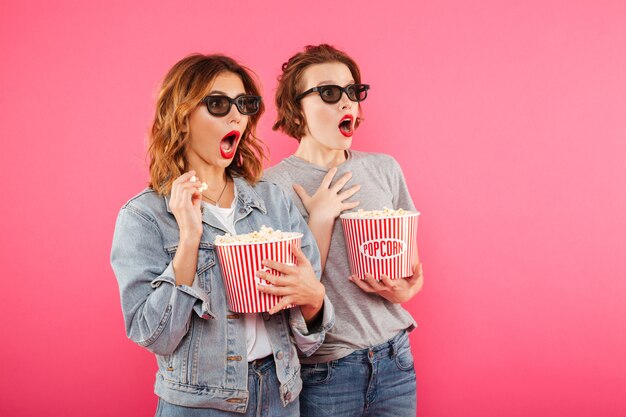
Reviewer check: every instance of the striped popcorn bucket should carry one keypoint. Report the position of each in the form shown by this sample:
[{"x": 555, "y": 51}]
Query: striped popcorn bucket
[
  {"x": 381, "y": 245},
  {"x": 240, "y": 262}
]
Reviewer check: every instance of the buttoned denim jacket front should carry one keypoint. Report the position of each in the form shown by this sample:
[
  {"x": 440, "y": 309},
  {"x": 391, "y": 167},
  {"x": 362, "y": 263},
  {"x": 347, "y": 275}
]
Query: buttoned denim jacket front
[{"x": 199, "y": 343}]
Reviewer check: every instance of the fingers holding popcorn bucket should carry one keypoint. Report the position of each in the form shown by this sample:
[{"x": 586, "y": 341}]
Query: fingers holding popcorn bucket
[
  {"x": 240, "y": 259},
  {"x": 381, "y": 242}
]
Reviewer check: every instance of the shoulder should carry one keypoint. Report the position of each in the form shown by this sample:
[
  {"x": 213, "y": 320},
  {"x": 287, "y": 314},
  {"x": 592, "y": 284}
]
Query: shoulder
[
  {"x": 374, "y": 159},
  {"x": 266, "y": 186},
  {"x": 143, "y": 216},
  {"x": 145, "y": 204},
  {"x": 279, "y": 174},
  {"x": 265, "y": 190},
  {"x": 280, "y": 169},
  {"x": 273, "y": 196}
]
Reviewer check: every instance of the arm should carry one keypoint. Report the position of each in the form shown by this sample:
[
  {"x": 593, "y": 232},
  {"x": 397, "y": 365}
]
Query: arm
[
  {"x": 401, "y": 196},
  {"x": 157, "y": 303},
  {"x": 185, "y": 203},
  {"x": 156, "y": 311},
  {"x": 398, "y": 290}
]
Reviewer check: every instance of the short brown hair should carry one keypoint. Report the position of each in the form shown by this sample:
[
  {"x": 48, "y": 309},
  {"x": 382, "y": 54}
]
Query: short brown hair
[
  {"x": 289, "y": 116},
  {"x": 181, "y": 91}
]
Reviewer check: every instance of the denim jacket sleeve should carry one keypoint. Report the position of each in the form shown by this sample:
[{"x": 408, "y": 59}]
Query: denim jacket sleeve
[
  {"x": 308, "y": 340},
  {"x": 156, "y": 312}
]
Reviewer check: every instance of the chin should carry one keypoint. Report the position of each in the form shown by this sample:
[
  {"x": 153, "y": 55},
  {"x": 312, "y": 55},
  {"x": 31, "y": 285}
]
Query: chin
[{"x": 343, "y": 144}]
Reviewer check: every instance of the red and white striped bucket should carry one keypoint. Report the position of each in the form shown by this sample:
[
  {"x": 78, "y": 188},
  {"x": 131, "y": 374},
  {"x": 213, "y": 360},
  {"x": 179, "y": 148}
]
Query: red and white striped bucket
[
  {"x": 240, "y": 262},
  {"x": 381, "y": 245}
]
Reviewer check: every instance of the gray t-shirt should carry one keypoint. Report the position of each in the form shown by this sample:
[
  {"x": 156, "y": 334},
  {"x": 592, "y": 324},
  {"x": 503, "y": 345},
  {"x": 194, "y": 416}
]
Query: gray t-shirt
[{"x": 362, "y": 320}]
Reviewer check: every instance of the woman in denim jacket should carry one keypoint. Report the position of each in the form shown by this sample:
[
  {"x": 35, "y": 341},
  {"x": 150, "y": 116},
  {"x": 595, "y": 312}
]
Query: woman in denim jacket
[{"x": 213, "y": 362}]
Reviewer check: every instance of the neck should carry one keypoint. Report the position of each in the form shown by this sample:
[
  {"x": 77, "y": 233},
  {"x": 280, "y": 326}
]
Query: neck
[
  {"x": 319, "y": 155},
  {"x": 220, "y": 190},
  {"x": 213, "y": 176}
]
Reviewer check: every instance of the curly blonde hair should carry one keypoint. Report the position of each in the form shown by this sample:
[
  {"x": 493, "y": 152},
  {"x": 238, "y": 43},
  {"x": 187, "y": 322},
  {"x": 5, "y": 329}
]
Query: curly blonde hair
[{"x": 182, "y": 90}]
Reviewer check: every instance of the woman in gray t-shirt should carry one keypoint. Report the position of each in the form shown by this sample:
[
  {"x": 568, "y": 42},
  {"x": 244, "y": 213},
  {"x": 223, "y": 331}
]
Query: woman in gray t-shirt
[{"x": 365, "y": 364}]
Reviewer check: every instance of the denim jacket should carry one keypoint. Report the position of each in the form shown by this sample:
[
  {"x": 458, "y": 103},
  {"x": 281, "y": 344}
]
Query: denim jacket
[{"x": 199, "y": 343}]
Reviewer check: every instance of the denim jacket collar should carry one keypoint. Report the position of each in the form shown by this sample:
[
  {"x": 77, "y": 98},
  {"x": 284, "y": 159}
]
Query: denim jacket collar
[{"x": 247, "y": 197}]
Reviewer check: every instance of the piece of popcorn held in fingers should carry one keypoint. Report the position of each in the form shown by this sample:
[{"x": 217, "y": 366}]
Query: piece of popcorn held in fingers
[{"x": 203, "y": 187}]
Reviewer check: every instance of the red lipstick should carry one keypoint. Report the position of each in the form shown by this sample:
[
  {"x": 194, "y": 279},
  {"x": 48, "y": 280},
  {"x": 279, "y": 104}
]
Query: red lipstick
[
  {"x": 346, "y": 126},
  {"x": 228, "y": 144}
]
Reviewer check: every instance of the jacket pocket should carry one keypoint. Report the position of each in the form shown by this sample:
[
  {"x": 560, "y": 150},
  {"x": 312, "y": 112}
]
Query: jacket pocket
[
  {"x": 175, "y": 367},
  {"x": 206, "y": 262}
]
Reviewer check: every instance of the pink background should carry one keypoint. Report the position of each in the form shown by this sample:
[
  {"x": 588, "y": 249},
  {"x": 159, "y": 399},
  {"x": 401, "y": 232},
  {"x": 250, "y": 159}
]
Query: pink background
[{"x": 508, "y": 119}]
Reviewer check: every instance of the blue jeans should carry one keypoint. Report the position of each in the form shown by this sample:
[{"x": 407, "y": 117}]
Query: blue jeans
[
  {"x": 375, "y": 382},
  {"x": 264, "y": 398}
]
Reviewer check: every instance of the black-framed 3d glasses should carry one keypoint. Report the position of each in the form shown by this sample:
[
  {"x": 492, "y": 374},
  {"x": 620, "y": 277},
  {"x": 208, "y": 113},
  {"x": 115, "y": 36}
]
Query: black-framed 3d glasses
[
  {"x": 332, "y": 93},
  {"x": 219, "y": 105}
]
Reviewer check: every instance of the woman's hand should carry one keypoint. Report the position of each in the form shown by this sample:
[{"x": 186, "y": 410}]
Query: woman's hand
[
  {"x": 185, "y": 203},
  {"x": 396, "y": 290},
  {"x": 325, "y": 206},
  {"x": 327, "y": 202},
  {"x": 297, "y": 285}
]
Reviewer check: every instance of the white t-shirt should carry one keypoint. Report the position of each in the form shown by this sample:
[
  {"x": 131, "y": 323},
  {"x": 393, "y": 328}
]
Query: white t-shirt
[{"x": 257, "y": 340}]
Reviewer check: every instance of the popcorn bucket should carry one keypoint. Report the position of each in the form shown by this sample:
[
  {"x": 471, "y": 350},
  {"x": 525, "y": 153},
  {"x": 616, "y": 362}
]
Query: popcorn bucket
[
  {"x": 240, "y": 262},
  {"x": 381, "y": 245}
]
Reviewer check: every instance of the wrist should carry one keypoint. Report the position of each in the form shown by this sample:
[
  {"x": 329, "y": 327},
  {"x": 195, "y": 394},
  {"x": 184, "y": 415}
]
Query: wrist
[
  {"x": 311, "y": 312},
  {"x": 317, "y": 301},
  {"x": 410, "y": 293},
  {"x": 189, "y": 241},
  {"x": 321, "y": 219}
]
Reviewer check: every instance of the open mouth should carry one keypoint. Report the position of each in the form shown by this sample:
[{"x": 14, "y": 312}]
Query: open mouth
[
  {"x": 346, "y": 127},
  {"x": 228, "y": 144}
]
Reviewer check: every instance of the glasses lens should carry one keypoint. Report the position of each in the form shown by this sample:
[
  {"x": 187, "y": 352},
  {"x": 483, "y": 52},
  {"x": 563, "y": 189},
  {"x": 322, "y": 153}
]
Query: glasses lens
[
  {"x": 351, "y": 92},
  {"x": 357, "y": 92},
  {"x": 248, "y": 105},
  {"x": 218, "y": 105},
  {"x": 330, "y": 93}
]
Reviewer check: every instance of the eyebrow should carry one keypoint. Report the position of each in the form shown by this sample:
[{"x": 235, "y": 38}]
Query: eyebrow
[
  {"x": 221, "y": 93},
  {"x": 327, "y": 82}
]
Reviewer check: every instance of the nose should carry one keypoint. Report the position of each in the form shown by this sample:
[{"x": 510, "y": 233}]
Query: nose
[
  {"x": 233, "y": 116},
  {"x": 344, "y": 102}
]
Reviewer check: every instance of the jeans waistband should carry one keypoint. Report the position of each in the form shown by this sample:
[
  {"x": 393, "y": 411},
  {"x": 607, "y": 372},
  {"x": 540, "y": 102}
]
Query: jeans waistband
[
  {"x": 261, "y": 365},
  {"x": 386, "y": 349}
]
